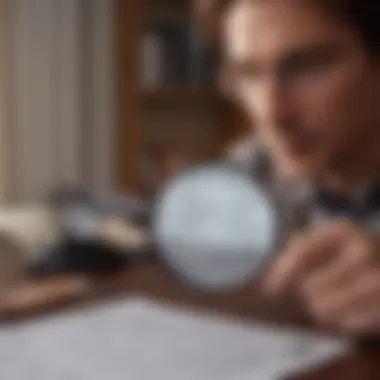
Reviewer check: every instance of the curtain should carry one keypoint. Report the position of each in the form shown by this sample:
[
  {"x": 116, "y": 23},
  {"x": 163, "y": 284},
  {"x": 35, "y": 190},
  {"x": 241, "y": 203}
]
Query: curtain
[
  {"x": 5, "y": 114},
  {"x": 61, "y": 96}
]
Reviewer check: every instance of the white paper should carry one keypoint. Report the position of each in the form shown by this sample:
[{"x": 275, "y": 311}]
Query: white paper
[{"x": 141, "y": 339}]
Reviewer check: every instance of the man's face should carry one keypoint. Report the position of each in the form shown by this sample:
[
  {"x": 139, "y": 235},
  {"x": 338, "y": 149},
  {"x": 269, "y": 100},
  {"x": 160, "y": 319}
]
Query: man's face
[{"x": 305, "y": 79}]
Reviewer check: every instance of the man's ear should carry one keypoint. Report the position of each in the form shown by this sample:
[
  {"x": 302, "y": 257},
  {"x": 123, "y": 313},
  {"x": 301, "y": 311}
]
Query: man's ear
[
  {"x": 374, "y": 64},
  {"x": 376, "y": 61},
  {"x": 376, "y": 76}
]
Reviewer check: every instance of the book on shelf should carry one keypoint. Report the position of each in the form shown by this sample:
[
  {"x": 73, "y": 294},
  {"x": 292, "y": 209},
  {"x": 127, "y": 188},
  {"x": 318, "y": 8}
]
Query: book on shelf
[
  {"x": 175, "y": 54},
  {"x": 151, "y": 61}
]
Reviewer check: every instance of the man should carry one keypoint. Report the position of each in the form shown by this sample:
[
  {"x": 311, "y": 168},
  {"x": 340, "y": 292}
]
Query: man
[{"x": 307, "y": 72}]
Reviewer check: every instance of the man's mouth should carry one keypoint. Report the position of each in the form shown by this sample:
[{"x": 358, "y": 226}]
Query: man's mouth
[{"x": 295, "y": 147}]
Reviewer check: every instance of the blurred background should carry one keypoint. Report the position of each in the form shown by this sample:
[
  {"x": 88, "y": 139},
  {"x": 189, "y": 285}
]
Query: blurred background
[{"x": 106, "y": 94}]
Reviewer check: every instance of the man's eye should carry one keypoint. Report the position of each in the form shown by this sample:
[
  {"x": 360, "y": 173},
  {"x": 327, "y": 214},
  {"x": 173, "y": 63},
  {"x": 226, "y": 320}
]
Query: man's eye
[{"x": 307, "y": 65}]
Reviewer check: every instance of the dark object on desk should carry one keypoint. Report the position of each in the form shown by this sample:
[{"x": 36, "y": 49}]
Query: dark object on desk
[
  {"x": 79, "y": 246},
  {"x": 71, "y": 256}
]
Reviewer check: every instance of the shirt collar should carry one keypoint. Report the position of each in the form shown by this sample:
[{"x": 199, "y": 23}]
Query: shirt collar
[{"x": 364, "y": 202}]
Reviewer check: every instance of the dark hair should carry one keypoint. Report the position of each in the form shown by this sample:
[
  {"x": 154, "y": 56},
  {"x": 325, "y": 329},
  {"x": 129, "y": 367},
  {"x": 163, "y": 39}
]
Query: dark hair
[{"x": 362, "y": 15}]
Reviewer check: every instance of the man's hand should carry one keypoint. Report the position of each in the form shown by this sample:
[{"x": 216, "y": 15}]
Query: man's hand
[{"x": 336, "y": 271}]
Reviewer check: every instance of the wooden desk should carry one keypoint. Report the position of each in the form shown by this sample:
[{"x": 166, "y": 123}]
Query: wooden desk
[{"x": 54, "y": 295}]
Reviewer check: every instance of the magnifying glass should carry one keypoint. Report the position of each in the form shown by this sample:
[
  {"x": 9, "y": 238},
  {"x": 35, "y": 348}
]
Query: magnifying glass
[{"x": 214, "y": 227}]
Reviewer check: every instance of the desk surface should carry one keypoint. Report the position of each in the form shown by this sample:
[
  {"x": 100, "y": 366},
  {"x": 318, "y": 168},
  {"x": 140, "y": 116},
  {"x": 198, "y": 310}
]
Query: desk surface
[{"x": 28, "y": 300}]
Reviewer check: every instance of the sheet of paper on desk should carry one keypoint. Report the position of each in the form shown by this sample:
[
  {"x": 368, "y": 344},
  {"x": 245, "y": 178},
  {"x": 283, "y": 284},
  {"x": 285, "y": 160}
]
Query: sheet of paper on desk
[{"x": 140, "y": 339}]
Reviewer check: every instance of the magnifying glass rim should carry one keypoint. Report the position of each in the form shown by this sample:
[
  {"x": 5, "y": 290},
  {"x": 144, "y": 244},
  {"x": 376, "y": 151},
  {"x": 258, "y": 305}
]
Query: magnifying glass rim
[{"x": 185, "y": 278}]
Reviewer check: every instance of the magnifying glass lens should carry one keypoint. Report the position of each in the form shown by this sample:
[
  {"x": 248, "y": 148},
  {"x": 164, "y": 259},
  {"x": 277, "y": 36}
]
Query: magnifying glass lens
[{"x": 214, "y": 227}]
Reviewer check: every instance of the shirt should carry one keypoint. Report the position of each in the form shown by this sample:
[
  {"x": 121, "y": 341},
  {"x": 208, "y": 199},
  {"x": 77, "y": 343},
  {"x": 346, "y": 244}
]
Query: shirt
[{"x": 300, "y": 205}]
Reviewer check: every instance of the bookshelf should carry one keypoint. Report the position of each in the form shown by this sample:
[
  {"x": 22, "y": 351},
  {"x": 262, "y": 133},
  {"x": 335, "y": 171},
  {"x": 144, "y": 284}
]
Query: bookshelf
[
  {"x": 170, "y": 111},
  {"x": 177, "y": 96}
]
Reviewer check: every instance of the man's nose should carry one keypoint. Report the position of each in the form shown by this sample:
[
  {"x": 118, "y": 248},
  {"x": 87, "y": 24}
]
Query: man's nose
[{"x": 273, "y": 106}]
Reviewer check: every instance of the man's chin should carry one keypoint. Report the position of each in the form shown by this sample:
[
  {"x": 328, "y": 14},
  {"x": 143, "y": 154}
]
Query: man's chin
[{"x": 300, "y": 171}]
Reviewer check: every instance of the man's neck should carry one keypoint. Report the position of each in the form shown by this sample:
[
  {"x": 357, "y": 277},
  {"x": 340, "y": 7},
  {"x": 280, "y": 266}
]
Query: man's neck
[{"x": 350, "y": 187}]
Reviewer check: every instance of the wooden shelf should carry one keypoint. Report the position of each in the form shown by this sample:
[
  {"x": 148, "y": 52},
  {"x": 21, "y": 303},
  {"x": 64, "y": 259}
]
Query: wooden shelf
[
  {"x": 185, "y": 4},
  {"x": 192, "y": 118},
  {"x": 183, "y": 96},
  {"x": 166, "y": 10}
]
